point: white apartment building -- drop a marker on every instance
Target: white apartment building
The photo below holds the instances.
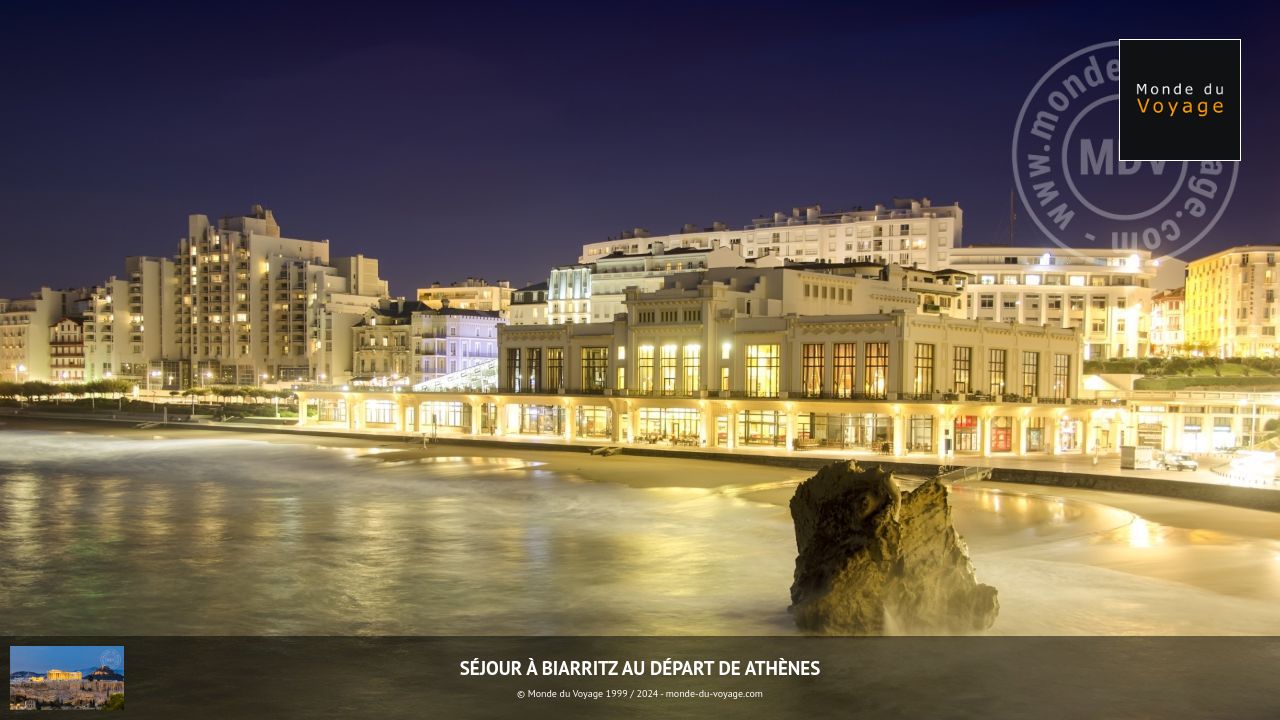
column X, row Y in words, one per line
column 130, row 326
column 912, row 232
column 25, row 332
column 403, row 343
column 1106, row 293
column 568, row 296
column 596, row 291
column 529, row 305
column 257, row 307
column 1112, row 307
column 339, row 309
column 1231, row 306
column 1168, row 335
column 470, row 294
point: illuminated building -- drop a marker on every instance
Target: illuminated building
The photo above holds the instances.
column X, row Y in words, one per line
column 130, row 325
column 25, row 351
column 403, row 342
column 1107, row 294
column 529, row 305
column 775, row 357
column 257, row 307
column 1168, row 335
column 1231, row 308
column 66, row 350
column 470, row 294
column 912, row 232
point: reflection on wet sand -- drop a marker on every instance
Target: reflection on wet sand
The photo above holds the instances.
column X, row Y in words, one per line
column 229, row 535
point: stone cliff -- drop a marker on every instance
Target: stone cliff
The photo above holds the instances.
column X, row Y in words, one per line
column 873, row 560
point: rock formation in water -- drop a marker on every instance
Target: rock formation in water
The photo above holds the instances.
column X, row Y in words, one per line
column 872, row 558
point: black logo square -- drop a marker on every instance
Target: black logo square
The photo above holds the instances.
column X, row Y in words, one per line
column 1179, row 100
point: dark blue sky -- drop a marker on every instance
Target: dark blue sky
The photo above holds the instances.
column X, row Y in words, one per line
column 479, row 139
column 42, row 658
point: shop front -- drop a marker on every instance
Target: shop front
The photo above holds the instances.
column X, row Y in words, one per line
column 1036, row 436
column 968, row 437
column 920, row 433
column 535, row 419
column 594, row 421
column 1002, row 434
column 680, row 426
column 762, row 427
column 447, row 416
column 334, row 411
column 380, row 413
column 864, row 431
column 1070, row 435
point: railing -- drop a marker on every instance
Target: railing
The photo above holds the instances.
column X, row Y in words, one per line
column 950, row 474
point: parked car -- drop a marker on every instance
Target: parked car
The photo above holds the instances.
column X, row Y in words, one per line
column 1179, row 461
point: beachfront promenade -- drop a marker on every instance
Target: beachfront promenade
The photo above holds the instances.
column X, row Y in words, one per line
column 1105, row 465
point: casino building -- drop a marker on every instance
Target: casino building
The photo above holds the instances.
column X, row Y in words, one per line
column 775, row 357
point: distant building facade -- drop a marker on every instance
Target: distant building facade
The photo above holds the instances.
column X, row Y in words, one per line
column 1106, row 293
column 1231, row 302
column 529, row 305
column 1168, row 330
column 470, row 294
column 406, row 342
column 25, row 332
column 130, row 326
column 911, row 232
column 66, row 350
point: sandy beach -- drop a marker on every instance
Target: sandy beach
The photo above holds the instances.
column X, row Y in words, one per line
column 767, row 484
column 384, row 536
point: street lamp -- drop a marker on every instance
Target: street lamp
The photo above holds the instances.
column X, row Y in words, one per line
column 154, row 378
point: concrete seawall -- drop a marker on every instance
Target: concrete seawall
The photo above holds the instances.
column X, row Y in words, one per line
column 1243, row 497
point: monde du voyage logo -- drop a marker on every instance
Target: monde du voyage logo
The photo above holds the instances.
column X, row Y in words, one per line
column 1171, row 183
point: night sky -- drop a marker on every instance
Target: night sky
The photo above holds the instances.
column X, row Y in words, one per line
column 488, row 140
